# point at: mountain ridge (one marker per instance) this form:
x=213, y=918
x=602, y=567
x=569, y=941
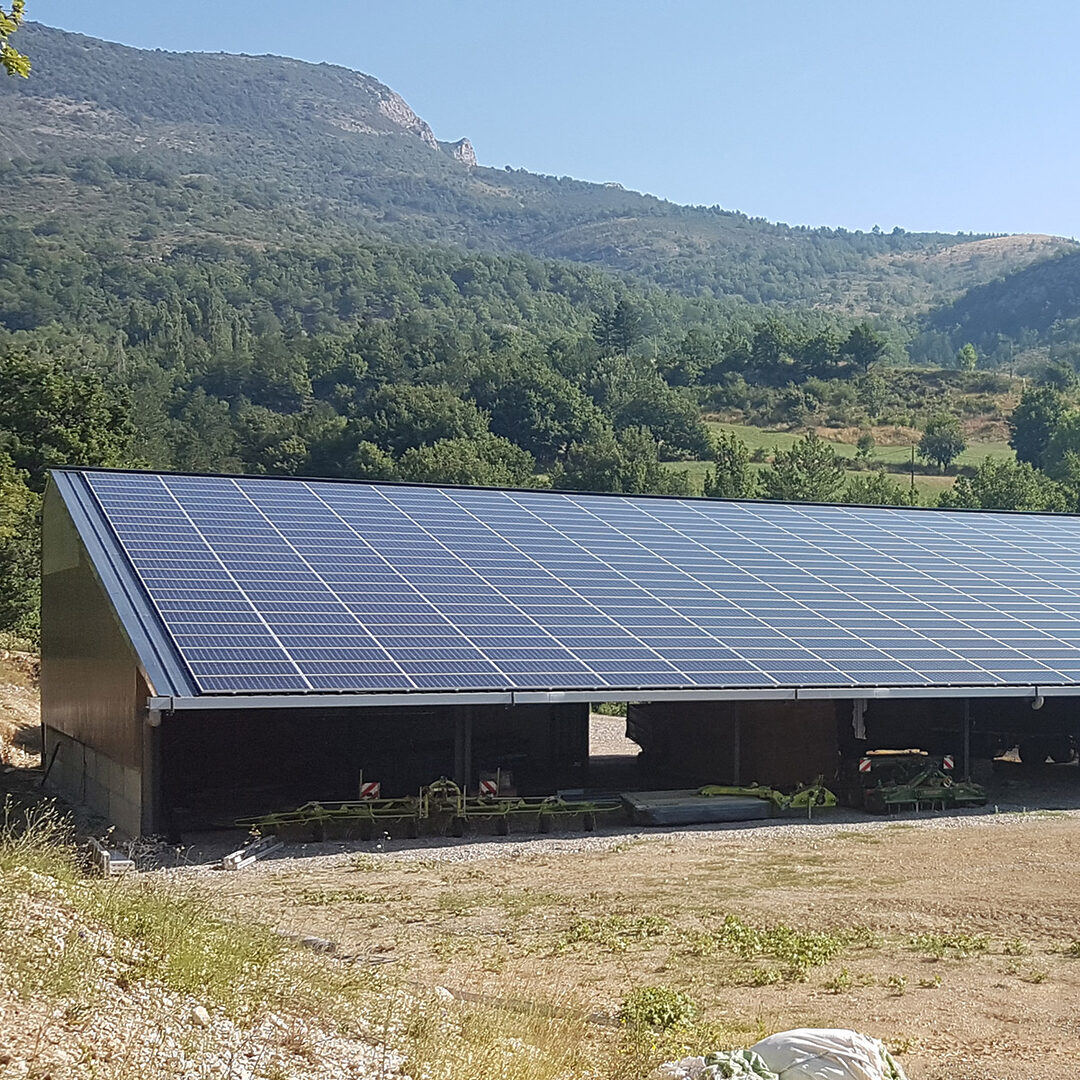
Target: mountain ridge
x=298, y=149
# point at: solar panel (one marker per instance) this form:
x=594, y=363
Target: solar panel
x=280, y=586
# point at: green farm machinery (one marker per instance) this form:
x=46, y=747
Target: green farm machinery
x=888, y=782
x=440, y=808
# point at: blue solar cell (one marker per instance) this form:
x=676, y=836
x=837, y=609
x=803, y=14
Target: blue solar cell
x=272, y=585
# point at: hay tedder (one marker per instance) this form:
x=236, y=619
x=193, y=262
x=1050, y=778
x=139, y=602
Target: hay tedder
x=440, y=808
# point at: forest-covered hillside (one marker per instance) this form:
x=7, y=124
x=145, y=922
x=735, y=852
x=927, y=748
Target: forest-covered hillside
x=157, y=148
x=1037, y=308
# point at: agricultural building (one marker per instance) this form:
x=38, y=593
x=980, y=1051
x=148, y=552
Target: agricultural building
x=214, y=646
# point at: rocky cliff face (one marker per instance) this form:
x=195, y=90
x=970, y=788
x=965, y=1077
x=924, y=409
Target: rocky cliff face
x=394, y=108
x=462, y=151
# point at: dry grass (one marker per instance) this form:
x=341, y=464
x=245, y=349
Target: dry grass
x=79, y=948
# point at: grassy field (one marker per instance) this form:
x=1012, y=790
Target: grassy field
x=929, y=485
x=763, y=439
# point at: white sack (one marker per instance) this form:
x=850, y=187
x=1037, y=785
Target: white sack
x=827, y=1054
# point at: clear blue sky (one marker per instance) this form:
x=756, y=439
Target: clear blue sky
x=951, y=115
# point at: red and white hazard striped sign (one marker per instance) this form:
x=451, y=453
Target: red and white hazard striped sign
x=947, y=762
x=489, y=789
x=370, y=789
x=864, y=764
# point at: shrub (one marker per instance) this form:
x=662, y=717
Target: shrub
x=658, y=1007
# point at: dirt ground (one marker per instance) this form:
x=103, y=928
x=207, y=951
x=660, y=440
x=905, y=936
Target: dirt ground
x=995, y=995
x=955, y=938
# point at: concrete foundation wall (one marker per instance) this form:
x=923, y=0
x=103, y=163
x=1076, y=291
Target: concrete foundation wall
x=85, y=776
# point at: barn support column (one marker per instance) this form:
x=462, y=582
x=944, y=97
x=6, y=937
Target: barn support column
x=151, y=773
x=967, y=738
x=736, y=748
x=463, y=746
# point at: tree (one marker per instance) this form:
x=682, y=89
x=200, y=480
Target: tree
x=865, y=346
x=1000, y=484
x=626, y=463
x=400, y=417
x=19, y=552
x=486, y=460
x=732, y=477
x=13, y=61
x=672, y=416
x=1033, y=423
x=617, y=329
x=864, y=448
x=942, y=441
x=967, y=357
x=537, y=408
x=876, y=489
x=808, y=472
x=49, y=416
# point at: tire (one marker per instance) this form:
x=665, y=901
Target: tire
x=1034, y=751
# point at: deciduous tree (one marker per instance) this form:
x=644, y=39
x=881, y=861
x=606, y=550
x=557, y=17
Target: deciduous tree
x=1033, y=423
x=999, y=484
x=12, y=61
x=942, y=441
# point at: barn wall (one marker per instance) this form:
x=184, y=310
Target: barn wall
x=779, y=743
x=93, y=699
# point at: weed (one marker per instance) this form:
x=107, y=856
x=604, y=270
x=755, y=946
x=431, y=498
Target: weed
x=327, y=897
x=958, y=946
x=897, y=984
x=930, y=984
x=658, y=1007
x=840, y=982
x=614, y=932
x=1035, y=975
x=761, y=976
x=1017, y=947
x=1072, y=949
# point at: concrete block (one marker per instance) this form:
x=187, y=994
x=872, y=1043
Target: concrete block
x=97, y=797
x=132, y=785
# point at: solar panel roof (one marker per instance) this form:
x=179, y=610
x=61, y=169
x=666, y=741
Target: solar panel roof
x=255, y=586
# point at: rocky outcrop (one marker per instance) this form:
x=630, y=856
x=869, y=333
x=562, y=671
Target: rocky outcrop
x=393, y=107
x=462, y=151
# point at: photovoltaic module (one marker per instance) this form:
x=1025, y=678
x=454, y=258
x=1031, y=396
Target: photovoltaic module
x=269, y=586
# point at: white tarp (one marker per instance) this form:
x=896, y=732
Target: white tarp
x=827, y=1054
x=802, y=1054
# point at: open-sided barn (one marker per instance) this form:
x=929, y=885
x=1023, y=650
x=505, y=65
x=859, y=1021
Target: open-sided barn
x=217, y=645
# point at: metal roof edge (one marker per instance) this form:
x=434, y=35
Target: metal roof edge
x=164, y=671
x=818, y=693
x=77, y=469
x=186, y=703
